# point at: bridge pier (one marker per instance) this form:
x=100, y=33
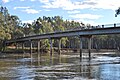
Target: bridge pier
x=38, y=50
x=51, y=46
x=59, y=46
x=38, y=46
x=31, y=48
x=89, y=46
x=23, y=46
x=16, y=45
x=4, y=46
x=81, y=47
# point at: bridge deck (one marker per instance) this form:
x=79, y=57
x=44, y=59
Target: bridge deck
x=85, y=32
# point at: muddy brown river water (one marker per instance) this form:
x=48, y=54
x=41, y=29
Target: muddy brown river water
x=59, y=67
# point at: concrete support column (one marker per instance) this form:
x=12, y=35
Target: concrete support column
x=4, y=46
x=16, y=45
x=23, y=47
x=89, y=46
x=38, y=50
x=81, y=47
x=31, y=47
x=38, y=46
x=59, y=46
x=51, y=46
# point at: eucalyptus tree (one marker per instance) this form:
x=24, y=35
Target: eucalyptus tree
x=117, y=12
x=4, y=31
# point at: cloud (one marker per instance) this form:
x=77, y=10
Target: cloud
x=31, y=11
x=67, y=4
x=32, y=0
x=21, y=7
x=28, y=21
x=5, y=1
x=27, y=9
x=26, y=0
x=64, y=4
x=86, y=16
x=44, y=1
x=105, y=4
x=22, y=0
x=47, y=10
x=91, y=22
x=73, y=12
x=83, y=4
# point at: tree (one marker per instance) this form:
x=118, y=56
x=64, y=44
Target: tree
x=117, y=12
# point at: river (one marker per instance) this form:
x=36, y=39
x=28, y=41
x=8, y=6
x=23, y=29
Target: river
x=66, y=66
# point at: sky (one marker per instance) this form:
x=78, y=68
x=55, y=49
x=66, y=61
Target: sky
x=94, y=12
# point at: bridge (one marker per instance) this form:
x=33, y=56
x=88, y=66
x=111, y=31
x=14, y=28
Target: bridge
x=88, y=33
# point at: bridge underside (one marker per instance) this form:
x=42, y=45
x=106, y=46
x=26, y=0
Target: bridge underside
x=88, y=33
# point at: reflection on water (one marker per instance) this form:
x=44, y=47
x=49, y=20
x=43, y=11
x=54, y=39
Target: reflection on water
x=58, y=67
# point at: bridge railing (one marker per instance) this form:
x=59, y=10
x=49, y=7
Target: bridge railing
x=83, y=28
x=94, y=27
x=109, y=25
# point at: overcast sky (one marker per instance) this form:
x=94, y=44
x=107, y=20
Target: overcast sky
x=88, y=11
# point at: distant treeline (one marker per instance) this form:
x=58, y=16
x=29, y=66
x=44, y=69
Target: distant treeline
x=11, y=27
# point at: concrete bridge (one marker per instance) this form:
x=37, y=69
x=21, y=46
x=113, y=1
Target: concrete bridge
x=88, y=33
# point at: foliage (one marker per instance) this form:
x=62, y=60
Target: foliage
x=117, y=12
